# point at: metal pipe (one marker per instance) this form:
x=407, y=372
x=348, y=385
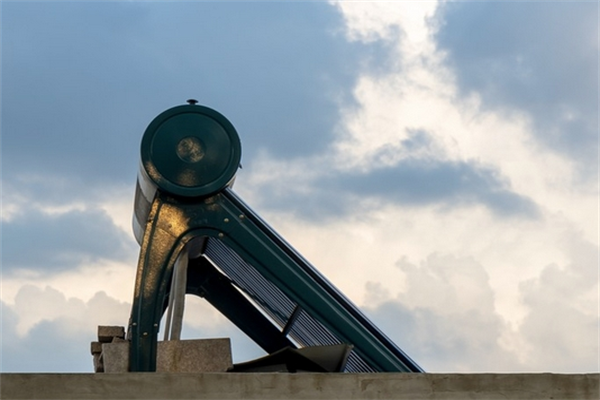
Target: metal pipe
x=180, y=280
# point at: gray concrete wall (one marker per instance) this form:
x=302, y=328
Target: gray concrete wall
x=299, y=386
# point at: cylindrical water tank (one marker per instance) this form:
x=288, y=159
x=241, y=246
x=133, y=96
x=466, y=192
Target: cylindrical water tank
x=188, y=151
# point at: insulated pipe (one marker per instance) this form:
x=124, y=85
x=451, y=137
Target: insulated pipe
x=188, y=151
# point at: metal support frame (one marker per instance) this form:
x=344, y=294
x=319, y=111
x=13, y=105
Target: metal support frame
x=206, y=281
x=173, y=222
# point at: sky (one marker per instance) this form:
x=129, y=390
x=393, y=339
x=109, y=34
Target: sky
x=436, y=161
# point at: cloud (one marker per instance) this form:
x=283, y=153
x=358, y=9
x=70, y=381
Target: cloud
x=203, y=321
x=364, y=142
x=43, y=331
x=79, y=243
x=445, y=318
x=563, y=324
x=537, y=57
x=412, y=125
x=48, y=243
x=413, y=183
x=422, y=94
x=451, y=184
x=98, y=73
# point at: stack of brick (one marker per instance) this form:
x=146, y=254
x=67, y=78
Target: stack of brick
x=106, y=335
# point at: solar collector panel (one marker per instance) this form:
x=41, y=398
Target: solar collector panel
x=315, y=332
x=276, y=304
x=304, y=330
x=394, y=354
x=355, y=363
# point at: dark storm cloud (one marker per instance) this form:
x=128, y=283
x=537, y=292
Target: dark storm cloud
x=410, y=183
x=81, y=81
x=51, y=243
x=538, y=57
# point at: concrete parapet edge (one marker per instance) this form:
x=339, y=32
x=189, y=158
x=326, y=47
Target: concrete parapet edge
x=299, y=386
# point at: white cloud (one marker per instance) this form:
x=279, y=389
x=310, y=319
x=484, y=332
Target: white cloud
x=202, y=321
x=117, y=202
x=93, y=271
x=44, y=330
x=419, y=94
x=496, y=265
x=113, y=277
x=562, y=324
x=34, y=305
x=372, y=21
x=445, y=318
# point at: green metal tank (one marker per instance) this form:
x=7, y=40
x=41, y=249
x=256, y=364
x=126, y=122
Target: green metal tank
x=188, y=151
